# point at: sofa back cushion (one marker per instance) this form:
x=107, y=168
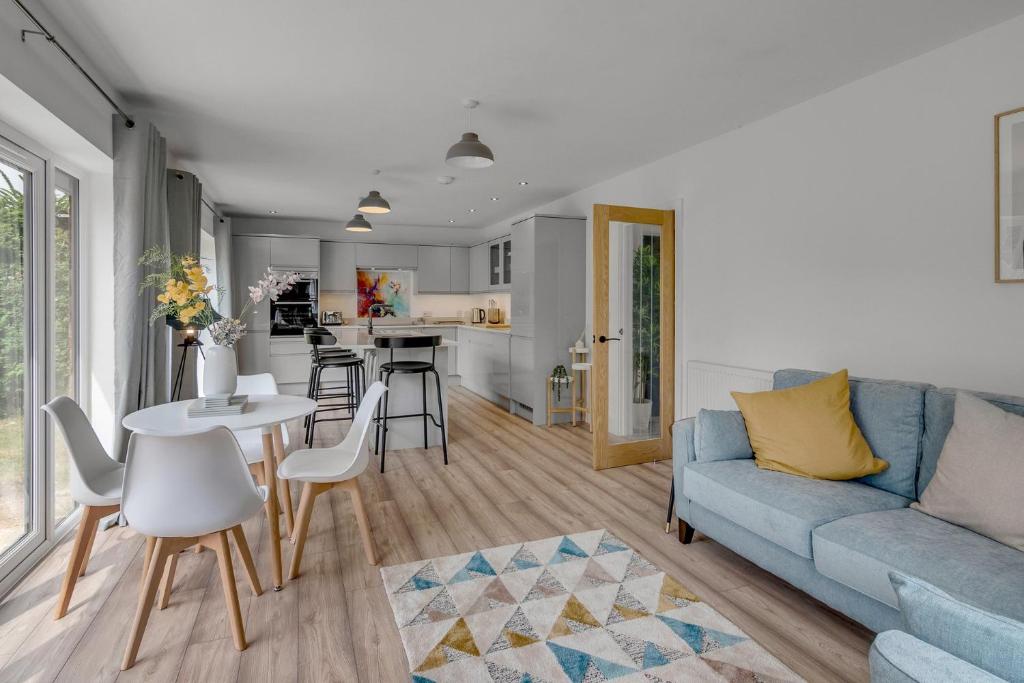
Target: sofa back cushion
x=721, y=435
x=890, y=415
x=938, y=419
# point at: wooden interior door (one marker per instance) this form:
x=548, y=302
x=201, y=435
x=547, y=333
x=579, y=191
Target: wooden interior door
x=634, y=334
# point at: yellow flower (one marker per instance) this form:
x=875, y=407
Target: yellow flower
x=185, y=315
x=188, y=261
x=199, y=305
x=163, y=298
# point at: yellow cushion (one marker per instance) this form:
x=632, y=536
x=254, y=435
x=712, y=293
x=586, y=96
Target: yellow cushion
x=808, y=431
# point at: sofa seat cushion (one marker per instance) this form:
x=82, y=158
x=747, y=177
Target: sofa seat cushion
x=781, y=508
x=861, y=550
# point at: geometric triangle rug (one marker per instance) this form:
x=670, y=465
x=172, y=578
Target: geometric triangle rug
x=580, y=608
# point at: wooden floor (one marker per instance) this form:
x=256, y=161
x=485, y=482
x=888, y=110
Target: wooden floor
x=507, y=482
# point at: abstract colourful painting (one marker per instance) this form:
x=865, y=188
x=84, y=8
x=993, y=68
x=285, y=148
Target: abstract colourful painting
x=391, y=288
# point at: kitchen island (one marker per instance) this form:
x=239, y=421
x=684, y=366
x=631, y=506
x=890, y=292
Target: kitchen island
x=405, y=393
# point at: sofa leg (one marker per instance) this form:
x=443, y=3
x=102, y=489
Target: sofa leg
x=685, y=532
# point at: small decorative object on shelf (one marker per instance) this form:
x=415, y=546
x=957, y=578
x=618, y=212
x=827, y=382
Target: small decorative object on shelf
x=185, y=304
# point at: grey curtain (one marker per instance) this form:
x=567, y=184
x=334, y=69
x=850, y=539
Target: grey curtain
x=184, y=208
x=141, y=358
x=222, y=244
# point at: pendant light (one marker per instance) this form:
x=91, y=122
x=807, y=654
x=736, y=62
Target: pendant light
x=469, y=152
x=374, y=203
x=358, y=224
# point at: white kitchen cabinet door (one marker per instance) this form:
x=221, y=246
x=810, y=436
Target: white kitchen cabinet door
x=337, y=266
x=460, y=270
x=521, y=363
x=253, y=353
x=522, y=304
x=294, y=253
x=498, y=363
x=434, y=270
x=250, y=259
x=386, y=256
x=478, y=281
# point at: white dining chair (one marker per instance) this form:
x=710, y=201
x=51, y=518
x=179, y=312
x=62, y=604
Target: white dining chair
x=95, y=485
x=321, y=469
x=251, y=441
x=180, y=491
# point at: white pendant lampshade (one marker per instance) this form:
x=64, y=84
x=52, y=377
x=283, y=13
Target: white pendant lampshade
x=469, y=152
x=358, y=224
x=374, y=203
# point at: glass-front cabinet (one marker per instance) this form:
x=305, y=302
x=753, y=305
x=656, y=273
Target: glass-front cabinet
x=499, y=263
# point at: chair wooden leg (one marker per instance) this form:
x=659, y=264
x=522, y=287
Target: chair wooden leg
x=88, y=550
x=219, y=541
x=243, y=552
x=163, y=548
x=78, y=552
x=286, y=492
x=364, y=522
x=168, y=581
x=147, y=560
x=309, y=494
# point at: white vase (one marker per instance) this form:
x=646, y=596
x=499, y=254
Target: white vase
x=220, y=373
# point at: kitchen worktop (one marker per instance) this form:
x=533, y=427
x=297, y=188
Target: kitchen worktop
x=420, y=326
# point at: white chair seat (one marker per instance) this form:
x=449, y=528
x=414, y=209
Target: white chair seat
x=104, y=489
x=319, y=465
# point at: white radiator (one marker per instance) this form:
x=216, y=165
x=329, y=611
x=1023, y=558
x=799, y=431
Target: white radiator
x=708, y=385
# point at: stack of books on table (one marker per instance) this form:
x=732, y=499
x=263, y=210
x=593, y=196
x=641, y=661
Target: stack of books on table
x=218, y=404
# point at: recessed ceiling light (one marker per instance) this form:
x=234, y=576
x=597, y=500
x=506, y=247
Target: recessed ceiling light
x=494, y=199
x=472, y=210
x=445, y=179
x=523, y=183
x=273, y=211
x=451, y=220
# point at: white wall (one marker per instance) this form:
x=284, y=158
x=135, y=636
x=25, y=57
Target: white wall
x=853, y=230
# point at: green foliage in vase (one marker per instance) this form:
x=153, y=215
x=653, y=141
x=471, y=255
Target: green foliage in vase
x=646, y=317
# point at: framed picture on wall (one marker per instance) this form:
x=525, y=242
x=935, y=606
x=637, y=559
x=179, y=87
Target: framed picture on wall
x=1009, y=209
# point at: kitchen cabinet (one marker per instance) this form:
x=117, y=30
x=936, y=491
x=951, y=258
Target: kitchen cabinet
x=484, y=363
x=460, y=270
x=250, y=258
x=478, y=280
x=434, y=270
x=549, y=290
x=294, y=253
x=499, y=264
x=386, y=256
x=253, y=353
x=337, y=266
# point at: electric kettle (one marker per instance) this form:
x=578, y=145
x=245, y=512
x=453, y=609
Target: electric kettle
x=477, y=315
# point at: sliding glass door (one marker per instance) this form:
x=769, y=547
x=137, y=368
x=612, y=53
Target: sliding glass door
x=39, y=208
x=22, y=467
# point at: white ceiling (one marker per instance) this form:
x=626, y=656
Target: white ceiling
x=288, y=106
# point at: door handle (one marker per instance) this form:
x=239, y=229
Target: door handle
x=604, y=339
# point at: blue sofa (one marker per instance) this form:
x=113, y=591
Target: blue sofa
x=838, y=541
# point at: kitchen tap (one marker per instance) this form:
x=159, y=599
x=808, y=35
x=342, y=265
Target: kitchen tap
x=382, y=309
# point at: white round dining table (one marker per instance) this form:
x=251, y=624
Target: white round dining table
x=266, y=412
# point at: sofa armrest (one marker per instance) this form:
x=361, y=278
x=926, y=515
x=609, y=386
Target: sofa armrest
x=682, y=453
x=898, y=657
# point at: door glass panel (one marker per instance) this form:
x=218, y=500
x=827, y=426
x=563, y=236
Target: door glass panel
x=63, y=354
x=15, y=464
x=506, y=261
x=634, y=349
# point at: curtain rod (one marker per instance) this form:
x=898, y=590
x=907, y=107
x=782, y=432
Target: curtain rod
x=53, y=40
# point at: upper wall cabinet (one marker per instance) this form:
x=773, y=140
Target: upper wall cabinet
x=499, y=264
x=386, y=256
x=338, y=266
x=434, y=270
x=478, y=280
x=294, y=253
x=460, y=270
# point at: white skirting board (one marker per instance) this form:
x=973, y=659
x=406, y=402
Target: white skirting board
x=708, y=385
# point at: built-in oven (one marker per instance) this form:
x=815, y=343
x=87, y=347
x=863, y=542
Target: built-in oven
x=297, y=308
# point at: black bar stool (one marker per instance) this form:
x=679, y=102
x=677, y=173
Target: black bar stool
x=408, y=367
x=347, y=395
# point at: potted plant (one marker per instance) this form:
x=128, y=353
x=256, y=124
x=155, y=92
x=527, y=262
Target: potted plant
x=185, y=303
x=646, y=330
x=559, y=378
